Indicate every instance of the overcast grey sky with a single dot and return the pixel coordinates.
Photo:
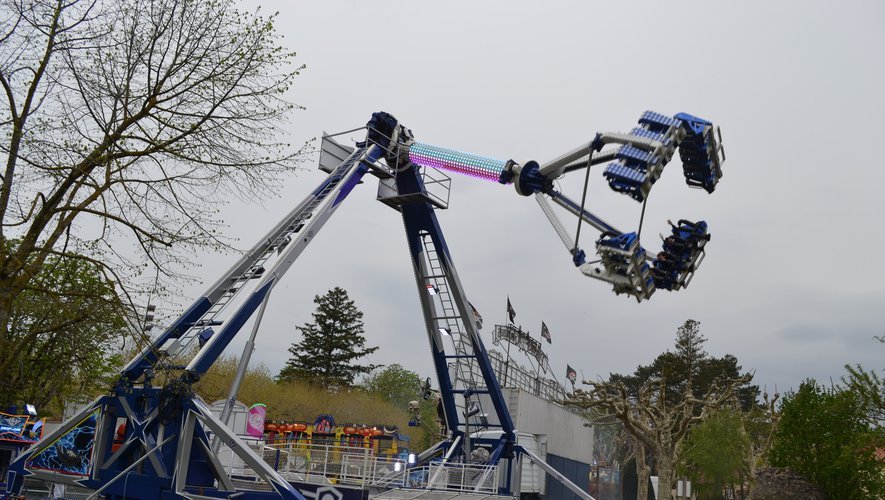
(793, 283)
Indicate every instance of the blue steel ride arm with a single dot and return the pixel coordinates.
(167, 426)
(635, 165)
(638, 162)
(433, 265)
(282, 245)
(362, 160)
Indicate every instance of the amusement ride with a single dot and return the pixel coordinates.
(170, 438)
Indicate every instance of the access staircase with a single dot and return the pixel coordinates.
(461, 359)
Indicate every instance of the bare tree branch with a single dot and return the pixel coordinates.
(125, 117)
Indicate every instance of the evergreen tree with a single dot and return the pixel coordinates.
(332, 343)
(690, 365)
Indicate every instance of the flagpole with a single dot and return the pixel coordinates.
(508, 321)
(506, 362)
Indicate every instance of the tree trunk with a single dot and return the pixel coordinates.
(6, 387)
(642, 471)
(665, 476)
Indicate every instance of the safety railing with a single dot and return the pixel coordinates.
(476, 478)
(319, 463)
(326, 464)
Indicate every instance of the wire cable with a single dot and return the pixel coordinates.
(642, 217)
(583, 201)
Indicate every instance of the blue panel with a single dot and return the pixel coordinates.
(622, 242)
(697, 150)
(636, 169)
(657, 122)
(353, 180)
(576, 472)
(693, 123)
(623, 173)
(697, 165)
(71, 453)
(625, 179)
(635, 156)
(12, 425)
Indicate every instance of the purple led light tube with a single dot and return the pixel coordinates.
(426, 155)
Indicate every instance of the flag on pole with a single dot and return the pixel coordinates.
(510, 311)
(545, 332)
(476, 315)
(571, 374)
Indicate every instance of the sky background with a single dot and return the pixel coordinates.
(793, 283)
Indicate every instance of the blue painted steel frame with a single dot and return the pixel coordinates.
(588, 216)
(156, 415)
(146, 360)
(147, 420)
(419, 217)
(144, 427)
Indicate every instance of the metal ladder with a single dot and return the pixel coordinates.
(463, 364)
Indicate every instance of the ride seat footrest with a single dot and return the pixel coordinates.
(656, 122)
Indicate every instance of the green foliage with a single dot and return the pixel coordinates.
(123, 125)
(330, 345)
(394, 383)
(399, 386)
(300, 401)
(824, 435)
(661, 403)
(67, 327)
(870, 389)
(689, 364)
(257, 386)
(297, 401)
(715, 454)
(431, 424)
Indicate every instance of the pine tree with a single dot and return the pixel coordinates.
(330, 345)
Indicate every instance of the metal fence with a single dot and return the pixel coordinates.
(321, 464)
(359, 467)
(512, 375)
(460, 477)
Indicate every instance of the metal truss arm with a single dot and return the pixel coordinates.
(287, 240)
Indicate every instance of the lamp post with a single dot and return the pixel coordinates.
(147, 324)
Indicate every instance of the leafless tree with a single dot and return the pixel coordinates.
(125, 123)
(655, 423)
(763, 420)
